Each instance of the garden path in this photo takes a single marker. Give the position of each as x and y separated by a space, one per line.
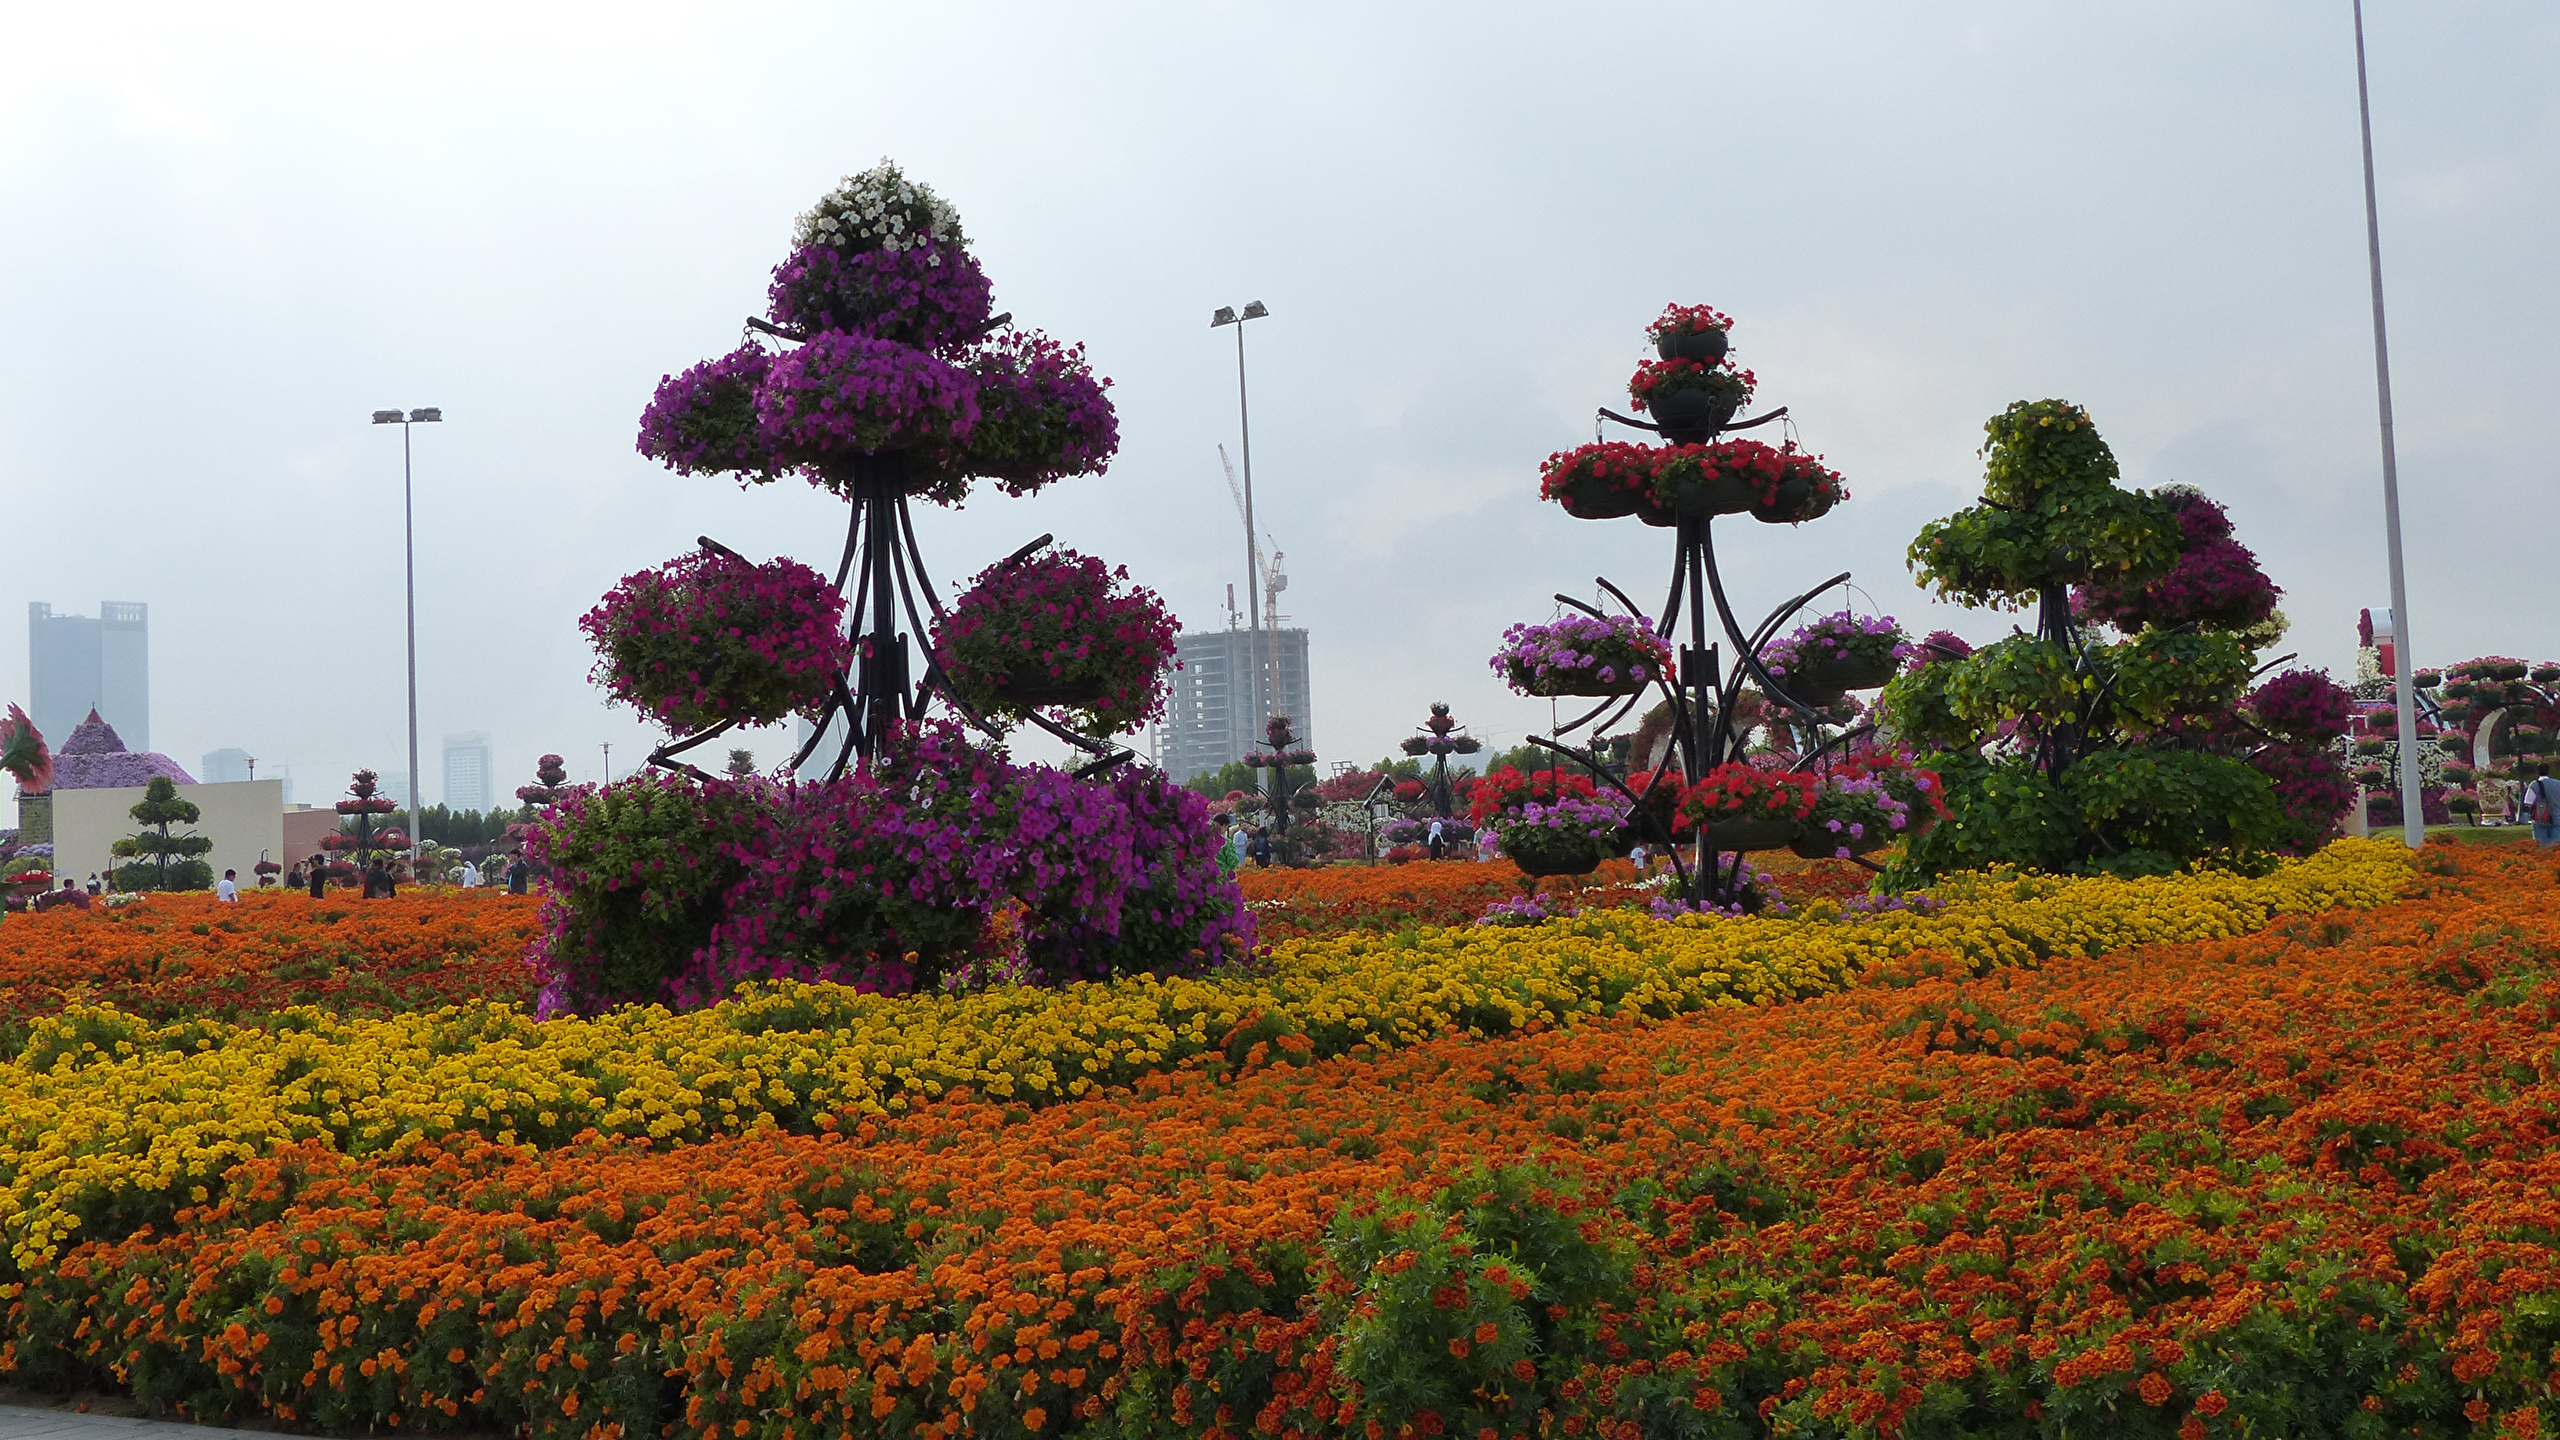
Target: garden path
18 1422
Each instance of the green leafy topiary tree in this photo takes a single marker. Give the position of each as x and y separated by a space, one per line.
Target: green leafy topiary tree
157 859
2060 750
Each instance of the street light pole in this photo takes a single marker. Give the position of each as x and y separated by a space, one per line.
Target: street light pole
2413 820
409 543
1256 649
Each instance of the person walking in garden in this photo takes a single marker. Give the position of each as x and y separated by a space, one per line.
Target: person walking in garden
470 876
227 889
1439 846
319 879
1261 847
2542 805
517 873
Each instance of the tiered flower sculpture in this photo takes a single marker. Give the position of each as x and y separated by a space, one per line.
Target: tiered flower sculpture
1693 391
1284 755
897 383
1440 740
363 802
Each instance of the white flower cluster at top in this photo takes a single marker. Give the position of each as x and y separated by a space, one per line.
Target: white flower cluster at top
880 209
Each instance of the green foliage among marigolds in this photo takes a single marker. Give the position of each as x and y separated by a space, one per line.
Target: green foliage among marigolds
641 866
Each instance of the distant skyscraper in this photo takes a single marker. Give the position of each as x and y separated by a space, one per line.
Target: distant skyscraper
223 766
394 784
1214 712
75 663
469 770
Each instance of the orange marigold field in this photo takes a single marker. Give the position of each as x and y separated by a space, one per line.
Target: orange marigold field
2296 1183
1331 899
168 956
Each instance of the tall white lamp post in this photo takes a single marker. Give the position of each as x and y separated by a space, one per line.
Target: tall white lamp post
2413 820
409 531
1226 315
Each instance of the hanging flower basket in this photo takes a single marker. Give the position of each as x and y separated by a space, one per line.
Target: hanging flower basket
1549 853
1852 816
1823 659
1690 395
1060 629
1741 807
1797 501
1582 655
1567 836
1601 481
711 637
1691 332
1031 688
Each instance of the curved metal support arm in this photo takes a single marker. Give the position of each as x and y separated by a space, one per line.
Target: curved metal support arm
915 558
716 548
1591 610
1757 420
782 332
1843 738
1745 653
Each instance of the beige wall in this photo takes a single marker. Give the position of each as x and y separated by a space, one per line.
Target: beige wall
303 832
241 817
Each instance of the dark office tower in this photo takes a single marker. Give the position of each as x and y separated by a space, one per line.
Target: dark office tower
76 664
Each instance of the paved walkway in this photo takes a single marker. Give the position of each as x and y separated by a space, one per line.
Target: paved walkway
20 1423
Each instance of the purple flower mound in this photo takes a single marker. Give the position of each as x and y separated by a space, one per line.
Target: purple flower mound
1837 637
94 758
931 296
843 395
709 637
1042 416
2216 583
703 422
887 880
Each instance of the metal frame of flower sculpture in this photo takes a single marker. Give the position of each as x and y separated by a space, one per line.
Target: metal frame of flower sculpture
897 383
1683 484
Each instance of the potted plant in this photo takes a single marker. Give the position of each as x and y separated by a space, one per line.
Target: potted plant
1690 395
2430 679
2370 746
1851 816
1921 793
1822 659
1690 332
1059 629
1583 655
712 637
2542 674
1566 837
1741 807
2462 803
1601 481
1805 489
2455 775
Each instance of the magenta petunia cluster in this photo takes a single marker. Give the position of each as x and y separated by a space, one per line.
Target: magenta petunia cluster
711 637
894 369
1582 654
1059 628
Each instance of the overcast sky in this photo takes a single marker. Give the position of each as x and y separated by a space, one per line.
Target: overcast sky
226 235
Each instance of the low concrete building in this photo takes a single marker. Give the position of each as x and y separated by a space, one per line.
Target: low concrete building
243 818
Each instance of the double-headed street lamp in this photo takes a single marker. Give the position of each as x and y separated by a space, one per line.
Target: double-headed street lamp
409 528
1226 315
